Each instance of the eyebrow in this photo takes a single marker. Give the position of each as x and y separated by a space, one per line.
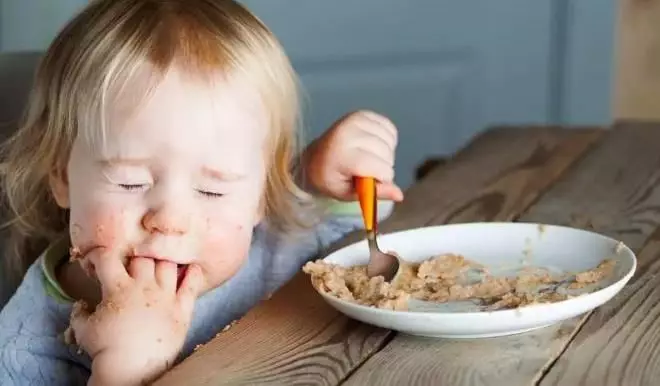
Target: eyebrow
208 171
221 175
123 161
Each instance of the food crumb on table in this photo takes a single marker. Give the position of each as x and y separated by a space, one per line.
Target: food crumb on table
226 328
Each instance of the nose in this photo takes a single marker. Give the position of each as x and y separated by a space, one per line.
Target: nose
166 220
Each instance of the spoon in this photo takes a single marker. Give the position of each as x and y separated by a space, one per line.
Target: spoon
380 263
390 266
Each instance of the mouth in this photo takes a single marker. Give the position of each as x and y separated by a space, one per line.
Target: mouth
181 270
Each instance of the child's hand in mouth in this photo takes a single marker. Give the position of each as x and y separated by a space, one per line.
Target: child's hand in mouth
144 315
77 255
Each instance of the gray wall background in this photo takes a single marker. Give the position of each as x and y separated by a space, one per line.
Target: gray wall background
31 24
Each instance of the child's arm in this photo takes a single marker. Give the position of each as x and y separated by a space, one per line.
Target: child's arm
284 255
361 143
32 348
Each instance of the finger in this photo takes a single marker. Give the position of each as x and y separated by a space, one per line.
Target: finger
191 287
142 268
166 275
108 268
376 140
382 122
370 164
389 191
80 255
369 128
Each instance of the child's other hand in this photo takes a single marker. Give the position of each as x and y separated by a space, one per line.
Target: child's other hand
360 144
138 329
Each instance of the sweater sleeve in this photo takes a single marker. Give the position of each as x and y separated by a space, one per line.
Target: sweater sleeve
286 254
32 350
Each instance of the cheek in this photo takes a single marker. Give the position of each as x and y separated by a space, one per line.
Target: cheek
224 251
234 237
93 227
243 206
97 218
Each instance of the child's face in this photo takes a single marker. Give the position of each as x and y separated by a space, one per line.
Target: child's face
182 179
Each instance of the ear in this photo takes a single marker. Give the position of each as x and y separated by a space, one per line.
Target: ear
59 186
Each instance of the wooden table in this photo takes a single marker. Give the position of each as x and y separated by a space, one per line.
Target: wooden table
607 180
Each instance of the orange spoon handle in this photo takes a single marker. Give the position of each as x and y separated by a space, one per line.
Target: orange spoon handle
366 191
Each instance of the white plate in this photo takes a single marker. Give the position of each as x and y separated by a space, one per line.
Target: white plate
496 245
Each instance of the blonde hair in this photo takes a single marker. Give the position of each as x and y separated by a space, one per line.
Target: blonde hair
96 55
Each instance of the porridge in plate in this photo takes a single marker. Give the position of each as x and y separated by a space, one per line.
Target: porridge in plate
450 277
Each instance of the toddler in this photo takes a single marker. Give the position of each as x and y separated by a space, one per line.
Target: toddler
156 191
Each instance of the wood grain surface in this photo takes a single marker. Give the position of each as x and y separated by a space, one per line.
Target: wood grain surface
619 343
611 190
296 338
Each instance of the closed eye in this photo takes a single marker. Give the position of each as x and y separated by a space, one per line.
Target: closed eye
132 187
210 194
